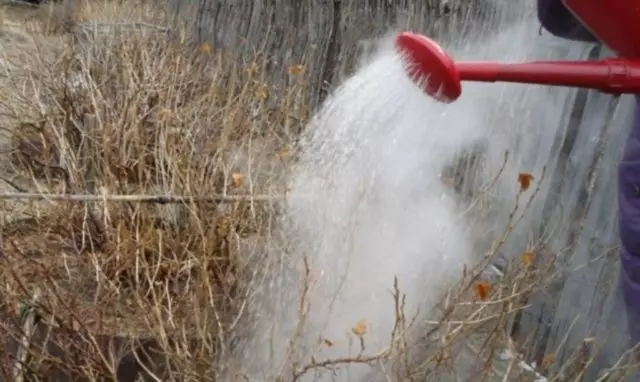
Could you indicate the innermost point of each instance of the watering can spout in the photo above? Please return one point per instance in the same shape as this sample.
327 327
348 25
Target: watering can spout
610 76
440 76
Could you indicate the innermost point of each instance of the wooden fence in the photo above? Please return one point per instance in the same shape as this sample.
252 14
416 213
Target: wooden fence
324 35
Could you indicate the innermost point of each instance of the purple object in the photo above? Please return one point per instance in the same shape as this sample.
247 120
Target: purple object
559 21
629 225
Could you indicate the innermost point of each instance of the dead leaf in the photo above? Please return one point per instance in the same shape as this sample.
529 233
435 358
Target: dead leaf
525 179
206 48
262 92
360 329
284 154
528 258
483 290
296 70
223 226
164 112
548 360
237 179
253 68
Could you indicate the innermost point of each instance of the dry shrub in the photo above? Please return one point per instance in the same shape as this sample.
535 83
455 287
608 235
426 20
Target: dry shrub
142 112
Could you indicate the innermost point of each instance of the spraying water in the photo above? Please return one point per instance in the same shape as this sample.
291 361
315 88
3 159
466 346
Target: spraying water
377 208
374 210
373 207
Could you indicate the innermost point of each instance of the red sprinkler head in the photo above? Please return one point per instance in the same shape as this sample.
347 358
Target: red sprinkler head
428 63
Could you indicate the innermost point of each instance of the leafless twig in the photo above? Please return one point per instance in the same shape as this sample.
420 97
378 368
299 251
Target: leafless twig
27 329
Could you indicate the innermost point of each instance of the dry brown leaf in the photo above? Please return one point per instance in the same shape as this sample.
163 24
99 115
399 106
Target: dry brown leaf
237 179
262 92
296 70
284 154
548 360
164 112
528 258
483 290
253 68
525 179
360 329
206 48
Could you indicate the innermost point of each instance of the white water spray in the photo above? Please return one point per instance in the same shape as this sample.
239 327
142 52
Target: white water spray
376 208
372 207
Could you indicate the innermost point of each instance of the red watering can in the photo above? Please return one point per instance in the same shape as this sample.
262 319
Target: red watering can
614 24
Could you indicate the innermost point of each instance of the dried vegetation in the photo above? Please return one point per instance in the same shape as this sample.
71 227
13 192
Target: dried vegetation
99 289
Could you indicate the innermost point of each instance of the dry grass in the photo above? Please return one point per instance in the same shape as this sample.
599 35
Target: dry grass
86 110
137 113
